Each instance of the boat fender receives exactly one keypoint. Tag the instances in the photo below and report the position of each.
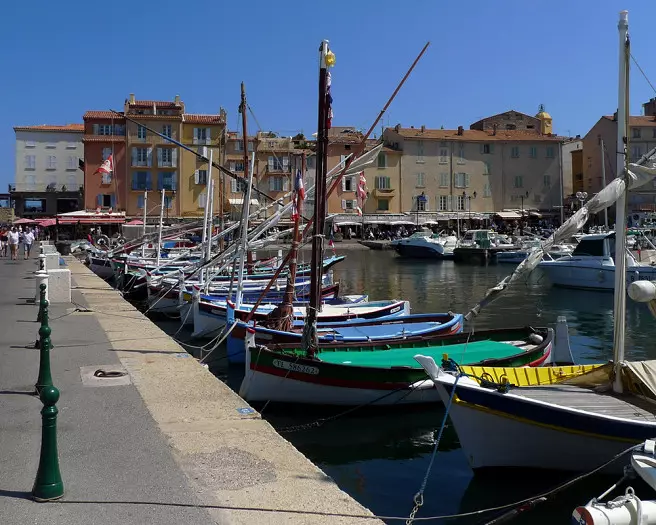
(535, 338)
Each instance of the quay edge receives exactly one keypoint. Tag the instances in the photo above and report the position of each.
(228, 457)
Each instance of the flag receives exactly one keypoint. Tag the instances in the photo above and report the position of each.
(298, 186)
(361, 193)
(295, 213)
(106, 167)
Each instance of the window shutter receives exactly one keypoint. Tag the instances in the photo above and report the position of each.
(140, 202)
(95, 129)
(343, 184)
(174, 158)
(449, 202)
(159, 156)
(99, 200)
(202, 199)
(271, 183)
(343, 204)
(149, 181)
(149, 161)
(467, 180)
(208, 136)
(174, 181)
(232, 165)
(134, 156)
(342, 158)
(112, 201)
(196, 177)
(285, 184)
(270, 163)
(285, 163)
(427, 205)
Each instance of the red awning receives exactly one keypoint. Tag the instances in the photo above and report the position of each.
(44, 223)
(25, 221)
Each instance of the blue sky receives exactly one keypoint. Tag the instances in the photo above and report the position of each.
(60, 59)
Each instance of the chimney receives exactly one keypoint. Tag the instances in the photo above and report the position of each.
(177, 100)
(397, 128)
(131, 98)
(461, 130)
(494, 129)
(423, 128)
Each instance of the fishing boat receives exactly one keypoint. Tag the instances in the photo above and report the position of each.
(426, 245)
(581, 423)
(382, 373)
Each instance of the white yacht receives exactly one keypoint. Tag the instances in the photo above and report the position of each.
(591, 265)
(517, 256)
(426, 245)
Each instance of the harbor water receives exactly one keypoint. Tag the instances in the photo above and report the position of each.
(380, 457)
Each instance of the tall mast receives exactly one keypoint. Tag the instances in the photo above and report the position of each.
(161, 225)
(603, 180)
(619, 302)
(145, 216)
(310, 337)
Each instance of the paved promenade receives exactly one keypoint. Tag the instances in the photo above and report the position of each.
(174, 435)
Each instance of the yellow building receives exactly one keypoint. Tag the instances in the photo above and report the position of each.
(384, 190)
(206, 135)
(234, 161)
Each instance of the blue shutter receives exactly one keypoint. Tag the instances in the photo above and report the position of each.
(112, 200)
(99, 199)
(135, 181)
(140, 202)
(149, 181)
(174, 180)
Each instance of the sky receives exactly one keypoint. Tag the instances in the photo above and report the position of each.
(60, 59)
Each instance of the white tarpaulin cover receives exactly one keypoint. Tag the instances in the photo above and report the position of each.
(638, 175)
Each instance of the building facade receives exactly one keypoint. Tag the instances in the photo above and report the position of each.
(234, 161)
(48, 179)
(642, 138)
(104, 135)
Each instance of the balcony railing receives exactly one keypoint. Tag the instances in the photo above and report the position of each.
(42, 187)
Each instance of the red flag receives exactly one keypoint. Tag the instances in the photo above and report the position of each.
(106, 167)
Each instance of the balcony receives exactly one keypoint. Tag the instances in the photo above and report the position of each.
(384, 194)
(197, 141)
(24, 187)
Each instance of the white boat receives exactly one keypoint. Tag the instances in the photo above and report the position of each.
(517, 256)
(592, 265)
(426, 245)
(581, 423)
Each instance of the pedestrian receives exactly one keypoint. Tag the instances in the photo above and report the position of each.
(28, 240)
(13, 237)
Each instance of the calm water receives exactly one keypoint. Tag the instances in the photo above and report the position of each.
(380, 458)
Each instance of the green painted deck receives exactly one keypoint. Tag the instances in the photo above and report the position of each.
(464, 353)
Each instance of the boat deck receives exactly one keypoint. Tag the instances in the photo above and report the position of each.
(605, 403)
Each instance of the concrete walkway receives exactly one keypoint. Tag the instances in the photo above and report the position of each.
(174, 435)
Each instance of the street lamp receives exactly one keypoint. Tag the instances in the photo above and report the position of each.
(420, 198)
(521, 224)
(467, 198)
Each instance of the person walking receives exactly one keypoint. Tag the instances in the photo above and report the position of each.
(28, 240)
(13, 243)
(3, 242)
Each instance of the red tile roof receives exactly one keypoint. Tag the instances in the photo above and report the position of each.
(48, 127)
(195, 118)
(640, 120)
(102, 114)
(473, 135)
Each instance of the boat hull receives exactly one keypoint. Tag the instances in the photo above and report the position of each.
(426, 251)
(593, 275)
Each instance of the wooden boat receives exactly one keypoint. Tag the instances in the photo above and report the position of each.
(382, 373)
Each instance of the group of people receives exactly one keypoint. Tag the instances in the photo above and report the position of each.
(11, 238)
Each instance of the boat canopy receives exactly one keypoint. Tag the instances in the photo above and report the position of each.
(508, 215)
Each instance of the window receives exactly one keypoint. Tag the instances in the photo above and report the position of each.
(486, 168)
(278, 184)
(421, 180)
(166, 180)
(30, 162)
(348, 183)
(382, 160)
(383, 183)
(533, 152)
(71, 163)
(71, 145)
(51, 162)
(104, 129)
(636, 152)
(518, 182)
(251, 147)
(421, 201)
(201, 135)
(278, 163)
(166, 130)
(420, 151)
(105, 200)
(141, 157)
(546, 181)
(383, 205)
(51, 145)
(35, 205)
(461, 180)
(141, 132)
(486, 149)
(444, 155)
(106, 178)
(550, 152)
(461, 155)
(514, 152)
(460, 203)
(348, 204)
(106, 152)
(635, 133)
(141, 180)
(168, 202)
(239, 165)
(167, 157)
(487, 190)
(239, 145)
(201, 177)
(32, 144)
(444, 180)
(443, 203)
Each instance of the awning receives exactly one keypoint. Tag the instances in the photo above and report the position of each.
(348, 223)
(429, 221)
(135, 222)
(25, 221)
(91, 220)
(375, 221)
(44, 223)
(508, 215)
(535, 214)
(240, 200)
(402, 223)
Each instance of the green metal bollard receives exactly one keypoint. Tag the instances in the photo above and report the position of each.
(45, 377)
(48, 484)
(42, 302)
